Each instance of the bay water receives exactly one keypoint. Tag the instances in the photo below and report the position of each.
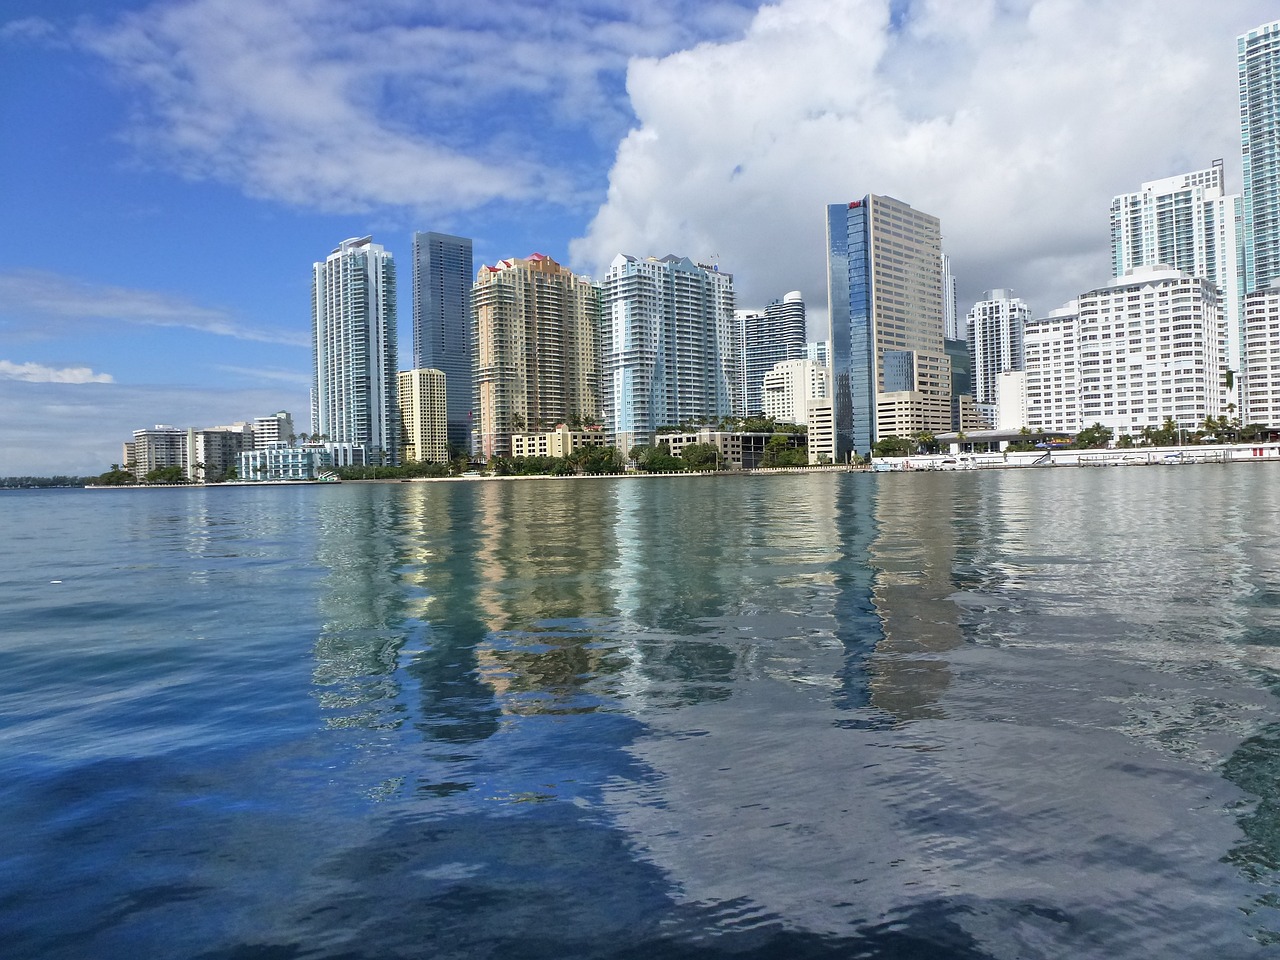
(1005, 714)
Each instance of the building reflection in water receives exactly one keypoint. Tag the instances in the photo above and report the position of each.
(544, 550)
(362, 605)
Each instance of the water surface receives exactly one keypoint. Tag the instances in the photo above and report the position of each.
(1007, 714)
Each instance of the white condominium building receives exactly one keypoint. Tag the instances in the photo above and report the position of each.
(1189, 223)
(1146, 348)
(669, 346)
(1260, 388)
(353, 324)
(793, 387)
(996, 324)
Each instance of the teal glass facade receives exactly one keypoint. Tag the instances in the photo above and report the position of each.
(1259, 63)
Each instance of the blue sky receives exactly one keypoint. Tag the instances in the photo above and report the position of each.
(173, 167)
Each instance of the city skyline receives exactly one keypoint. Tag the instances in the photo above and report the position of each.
(182, 162)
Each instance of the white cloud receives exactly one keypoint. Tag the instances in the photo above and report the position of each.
(1015, 123)
(258, 374)
(348, 107)
(32, 298)
(38, 373)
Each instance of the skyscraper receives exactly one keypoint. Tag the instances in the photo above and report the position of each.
(669, 346)
(1186, 222)
(534, 324)
(442, 279)
(770, 337)
(353, 336)
(996, 325)
(885, 289)
(1258, 53)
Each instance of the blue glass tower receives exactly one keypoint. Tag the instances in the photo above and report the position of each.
(442, 279)
(852, 343)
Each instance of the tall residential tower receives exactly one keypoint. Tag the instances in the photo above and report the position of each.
(768, 338)
(353, 337)
(669, 346)
(534, 326)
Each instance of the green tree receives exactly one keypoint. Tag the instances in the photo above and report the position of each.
(701, 456)
(115, 477)
(1092, 437)
(166, 475)
(892, 446)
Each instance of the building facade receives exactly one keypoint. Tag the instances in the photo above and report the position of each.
(155, 447)
(1145, 349)
(424, 411)
(770, 337)
(1260, 384)
(286, 461)
(885, 290)
(996, 324)
(559, 442)
(534, 326)
(276, 428)
(1258, 59)
(1187, 222)
(353, 313)
(792, 388)
(442, 278)
(669, 346)
(1051, 350)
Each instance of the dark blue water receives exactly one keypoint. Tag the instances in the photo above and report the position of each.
(1001, 715)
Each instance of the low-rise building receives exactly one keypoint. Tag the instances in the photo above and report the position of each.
(738, 450)
(559, 442)
(285, 461)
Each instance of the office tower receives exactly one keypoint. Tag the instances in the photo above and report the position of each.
(885, 289)
(964, 415)
(534, 326)
(951, 326)
(768, 338)
(442, 279)
(793, 387)
(424, 415)
(995, 344)
(1146, 348)
(1258, 54)
(353, 315)
(1186, 222)
(669, 346)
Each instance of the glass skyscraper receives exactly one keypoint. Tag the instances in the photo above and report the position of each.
(1259, 62)
(885, 289)
(442, 279)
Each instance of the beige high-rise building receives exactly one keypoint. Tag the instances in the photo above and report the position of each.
(424, 415)
(534, 330)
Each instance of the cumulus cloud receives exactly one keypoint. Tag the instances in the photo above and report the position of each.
(349, 107)
(1015, 123)
(32, 298)
(38, 373)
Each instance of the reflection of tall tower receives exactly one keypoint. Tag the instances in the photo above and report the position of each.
(353, 332)
(913, 557)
